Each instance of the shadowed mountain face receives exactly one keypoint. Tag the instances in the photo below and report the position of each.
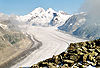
(79, 25)
(73, 23)
(91, 28)
(88, 31)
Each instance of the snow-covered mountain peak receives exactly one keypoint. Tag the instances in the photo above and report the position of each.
(41, 17)
(62, 12)
(38, 10)
(50, 10)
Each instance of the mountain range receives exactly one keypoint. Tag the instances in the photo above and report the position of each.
(75, 24)
(41, 17)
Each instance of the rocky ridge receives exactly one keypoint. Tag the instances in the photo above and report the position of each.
(12, 41)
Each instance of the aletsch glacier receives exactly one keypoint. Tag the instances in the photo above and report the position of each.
(44, 25)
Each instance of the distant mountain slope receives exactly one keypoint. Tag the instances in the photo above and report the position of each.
(74, 22)
(12, 40)
(88, 31)
(79, 25)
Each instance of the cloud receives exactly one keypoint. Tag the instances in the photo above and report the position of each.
(92, 8)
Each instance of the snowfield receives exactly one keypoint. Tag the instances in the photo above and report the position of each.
(53, 43)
